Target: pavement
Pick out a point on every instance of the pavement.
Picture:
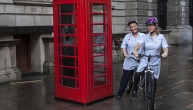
(175, 89)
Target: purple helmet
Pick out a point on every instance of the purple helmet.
(151, 20)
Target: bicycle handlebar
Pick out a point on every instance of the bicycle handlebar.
(134, 59)
(141, 55)
(148, 56)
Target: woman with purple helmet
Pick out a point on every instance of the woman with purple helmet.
(152, 42)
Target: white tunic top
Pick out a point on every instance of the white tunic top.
(129, 43)
(152, 46)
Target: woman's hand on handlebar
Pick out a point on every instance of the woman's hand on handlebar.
(164, 55)
(135, 53)
(126, 56)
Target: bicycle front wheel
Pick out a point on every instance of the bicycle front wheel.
(150, 93)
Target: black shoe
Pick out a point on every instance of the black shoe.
(117, 97)
(134, 94)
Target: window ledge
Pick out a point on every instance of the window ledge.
(34, 2)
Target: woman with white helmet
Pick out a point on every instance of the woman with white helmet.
(153, 42)
(128, 45)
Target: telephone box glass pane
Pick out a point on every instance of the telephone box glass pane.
(69, 82)
(69, 51)
(71, 72)
(99, 50)
(98, 18)
(100, 60)
(100, 70)
(67, 19)
(98, 39)
(68, 61)
(68, 40)
(67, 8)
(99, 81)
(98, 28)
(70, 76)
(67, 29)
(97, 8)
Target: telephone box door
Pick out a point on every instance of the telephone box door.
(100, 49)
(67, 78)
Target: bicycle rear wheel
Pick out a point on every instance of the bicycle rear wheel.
(149, 93)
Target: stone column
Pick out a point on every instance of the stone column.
(178, 21)
(48, 66)
(166, 34)
(118, 28)
(118, 16)
(8, 68)
(140, 10)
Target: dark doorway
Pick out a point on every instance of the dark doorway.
(191, 12)
(162, 13)
(23, 57)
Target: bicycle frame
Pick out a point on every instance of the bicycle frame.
(151, 73)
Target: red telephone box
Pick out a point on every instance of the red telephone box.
(83, 50)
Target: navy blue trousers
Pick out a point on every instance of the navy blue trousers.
(124, 80)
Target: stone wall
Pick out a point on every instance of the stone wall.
(23, 15)
(16, 13)
(178, 21)
(118, 16)
(140, 10)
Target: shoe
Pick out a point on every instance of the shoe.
(134, 94)
(117, 97)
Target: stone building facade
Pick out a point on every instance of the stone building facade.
(26, 41)
(25, 31)
(176, 14)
